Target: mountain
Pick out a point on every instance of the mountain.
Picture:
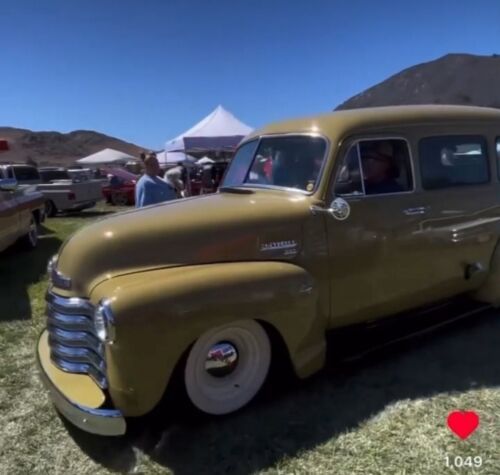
(452, 79)
(55, 148)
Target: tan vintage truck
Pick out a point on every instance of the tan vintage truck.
(21, 213)
(320, 223)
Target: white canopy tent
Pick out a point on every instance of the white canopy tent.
(167, 159)
(108, 156)
(218, 130)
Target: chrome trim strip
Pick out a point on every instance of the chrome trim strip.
(95, 421)
(80, 368)
(69, 322)
(78, 355)
(75, 339)
(71, 305)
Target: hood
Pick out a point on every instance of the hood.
(224, 227)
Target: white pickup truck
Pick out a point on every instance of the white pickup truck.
(62, 193)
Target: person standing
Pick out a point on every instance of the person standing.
(151, 189)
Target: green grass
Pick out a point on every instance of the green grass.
(383, 415)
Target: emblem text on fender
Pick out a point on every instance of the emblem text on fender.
(278, 245)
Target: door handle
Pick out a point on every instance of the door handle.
(416, 211)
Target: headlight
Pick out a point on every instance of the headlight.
(104, 322)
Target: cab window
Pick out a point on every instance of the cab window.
(447, 161)
(375, 167)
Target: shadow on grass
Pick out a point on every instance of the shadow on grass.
(292, 416)
(18, 270)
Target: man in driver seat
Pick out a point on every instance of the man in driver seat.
(380, 168)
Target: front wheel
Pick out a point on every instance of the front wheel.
(227, 366)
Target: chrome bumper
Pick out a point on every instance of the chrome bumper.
(95, 421)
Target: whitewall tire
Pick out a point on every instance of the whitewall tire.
(227, 366)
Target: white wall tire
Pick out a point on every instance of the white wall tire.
(226, 393)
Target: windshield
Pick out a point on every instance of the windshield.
(288, 162)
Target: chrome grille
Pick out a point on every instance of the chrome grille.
(74, 346)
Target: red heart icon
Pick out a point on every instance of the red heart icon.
(463, 423)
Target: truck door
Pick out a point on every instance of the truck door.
(462, 214)
(378, 262)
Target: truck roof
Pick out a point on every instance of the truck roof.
(338, 123)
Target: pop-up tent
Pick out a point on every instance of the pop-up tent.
(108, 156)
(218, 132)
(167, 159)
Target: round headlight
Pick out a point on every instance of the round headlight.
(100, 324)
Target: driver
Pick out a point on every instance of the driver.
(380, 169)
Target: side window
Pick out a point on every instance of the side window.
(454, 160)
(374, 167)
(10, 173)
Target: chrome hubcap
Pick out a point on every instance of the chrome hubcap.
(221, 360)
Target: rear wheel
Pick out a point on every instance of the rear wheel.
(227, 366)
(30, 239)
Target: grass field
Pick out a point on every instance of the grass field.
(383, 415)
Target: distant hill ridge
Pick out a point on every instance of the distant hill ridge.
(56, 148)
(463, 79)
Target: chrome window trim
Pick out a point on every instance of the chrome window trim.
(287, 134)
(364, 195)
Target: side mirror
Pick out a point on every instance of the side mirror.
(8, 184)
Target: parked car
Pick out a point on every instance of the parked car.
(361, 215)
(120, 187)
(61, 192)
(21, 213)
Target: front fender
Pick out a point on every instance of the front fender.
(160, 313)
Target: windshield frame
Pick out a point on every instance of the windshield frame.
(283, 188)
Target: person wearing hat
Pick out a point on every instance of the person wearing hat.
(380, 169)
(151, 189)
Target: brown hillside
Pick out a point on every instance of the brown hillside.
(55, 148)
(453, 79)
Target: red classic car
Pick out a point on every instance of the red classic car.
(120, 188)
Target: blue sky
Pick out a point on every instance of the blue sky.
(145, 71)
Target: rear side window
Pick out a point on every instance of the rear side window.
(454, 160)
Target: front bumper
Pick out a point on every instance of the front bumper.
(95, 421)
